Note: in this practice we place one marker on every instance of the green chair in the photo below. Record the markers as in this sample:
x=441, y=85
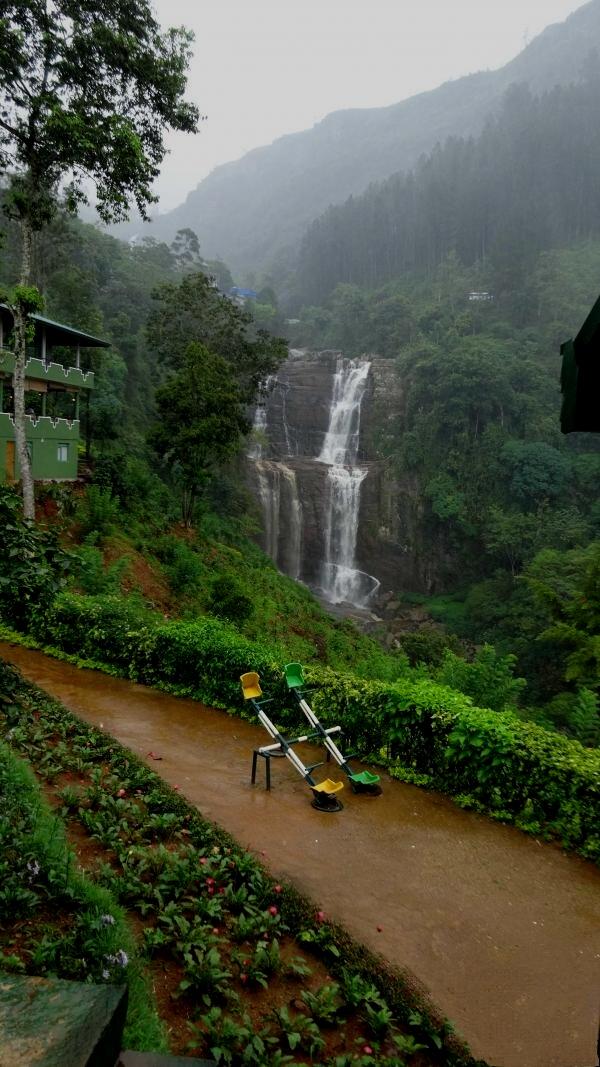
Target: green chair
x=294, y=675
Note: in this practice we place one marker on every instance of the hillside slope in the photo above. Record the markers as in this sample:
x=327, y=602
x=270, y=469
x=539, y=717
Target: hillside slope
x=248, y=211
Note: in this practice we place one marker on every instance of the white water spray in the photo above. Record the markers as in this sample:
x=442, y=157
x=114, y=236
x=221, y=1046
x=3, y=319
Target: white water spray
x=341, y=581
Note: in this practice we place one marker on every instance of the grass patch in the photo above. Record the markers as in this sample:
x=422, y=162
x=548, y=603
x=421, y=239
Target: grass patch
x=53, y=919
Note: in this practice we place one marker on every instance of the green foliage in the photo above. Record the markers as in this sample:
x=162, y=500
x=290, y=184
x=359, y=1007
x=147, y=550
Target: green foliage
x=91, y=575
x=98, y=512
x=194, y=312
x=568, y=586
x=40, y=881
x=427, y=645
x=183, y=566
x=585, y=718
x=33, y=567
x=201, y=419
x=88, y=93
x=227, y=601
x=106, y=626
x=488, y=679
x=539, y=472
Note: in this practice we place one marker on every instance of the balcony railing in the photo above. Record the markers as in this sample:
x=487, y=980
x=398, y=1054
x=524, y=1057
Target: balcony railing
x=37, y=370
x=42, y=427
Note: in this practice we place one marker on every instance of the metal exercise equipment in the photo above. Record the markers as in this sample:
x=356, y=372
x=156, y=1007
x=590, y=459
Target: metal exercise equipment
x=324, y=793
x=363, y=782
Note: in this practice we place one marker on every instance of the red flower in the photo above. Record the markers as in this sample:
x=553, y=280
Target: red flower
x=273, y=910
x=320, y=916
x=277, y=888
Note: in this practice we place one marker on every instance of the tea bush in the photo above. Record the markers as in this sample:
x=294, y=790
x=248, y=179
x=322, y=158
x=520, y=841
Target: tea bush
x=494, y=761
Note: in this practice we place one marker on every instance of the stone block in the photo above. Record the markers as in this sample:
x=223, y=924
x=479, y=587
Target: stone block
x=48, y=1022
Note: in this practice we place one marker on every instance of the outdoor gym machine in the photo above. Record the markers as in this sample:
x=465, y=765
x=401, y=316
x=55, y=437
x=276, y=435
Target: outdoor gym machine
x=324, y=793
x=364, y=782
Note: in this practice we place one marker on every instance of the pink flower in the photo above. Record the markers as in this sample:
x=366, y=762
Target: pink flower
x=203, y=860
x=368, y=1051
x=277, y=888
x=320, y=916
x=273, y=910
x=121, y=792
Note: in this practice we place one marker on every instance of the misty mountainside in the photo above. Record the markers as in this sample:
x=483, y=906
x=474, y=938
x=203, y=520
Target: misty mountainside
x=254, y=211
x=528, y=182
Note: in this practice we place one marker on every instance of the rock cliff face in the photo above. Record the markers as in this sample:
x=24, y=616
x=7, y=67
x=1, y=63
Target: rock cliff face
x=293, y=486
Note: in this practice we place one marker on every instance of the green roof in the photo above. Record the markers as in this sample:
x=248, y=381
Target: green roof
x=59, y=334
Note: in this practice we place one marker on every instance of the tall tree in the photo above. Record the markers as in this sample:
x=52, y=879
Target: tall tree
x=201, y=420
x=87, y=91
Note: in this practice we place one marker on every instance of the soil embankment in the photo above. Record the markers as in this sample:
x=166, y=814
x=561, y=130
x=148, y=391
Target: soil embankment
x=503, y=930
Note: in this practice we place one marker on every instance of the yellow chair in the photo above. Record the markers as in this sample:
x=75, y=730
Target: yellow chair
x=251, y=685
x=328, y=786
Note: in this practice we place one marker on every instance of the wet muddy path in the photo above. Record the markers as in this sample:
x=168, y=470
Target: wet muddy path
x=502, y=930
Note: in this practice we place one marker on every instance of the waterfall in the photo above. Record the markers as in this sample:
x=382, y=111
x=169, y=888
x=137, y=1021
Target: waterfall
x=269, y=493
x=341, y=581
x=259, y=423
x=291, y=552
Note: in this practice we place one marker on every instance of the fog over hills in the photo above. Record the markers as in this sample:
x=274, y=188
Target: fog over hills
x=254, y=211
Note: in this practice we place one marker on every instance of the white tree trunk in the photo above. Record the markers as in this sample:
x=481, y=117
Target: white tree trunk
x=20, y=317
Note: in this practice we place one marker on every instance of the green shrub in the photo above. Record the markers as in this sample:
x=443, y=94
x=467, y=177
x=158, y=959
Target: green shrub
x=33, y=567
x=183, y=567
x=228, y=601
x=489, y=679
x=112, y=628
x=513, y=769
x=98, y=511
x=92, y=576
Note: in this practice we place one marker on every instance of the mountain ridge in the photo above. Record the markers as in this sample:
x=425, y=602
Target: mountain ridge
x=254, y=210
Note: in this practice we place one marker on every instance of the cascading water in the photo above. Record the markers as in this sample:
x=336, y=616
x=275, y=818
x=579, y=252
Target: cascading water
x=278, y=493
x=341, y=581
x=259, y=424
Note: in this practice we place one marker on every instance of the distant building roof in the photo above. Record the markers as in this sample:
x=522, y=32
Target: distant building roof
x=247, y=294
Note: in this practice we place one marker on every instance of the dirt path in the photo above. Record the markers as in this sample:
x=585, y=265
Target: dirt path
x=502, y=930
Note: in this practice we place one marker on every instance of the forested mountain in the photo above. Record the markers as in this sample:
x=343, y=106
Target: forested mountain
x=253, y=212
x=529, y=181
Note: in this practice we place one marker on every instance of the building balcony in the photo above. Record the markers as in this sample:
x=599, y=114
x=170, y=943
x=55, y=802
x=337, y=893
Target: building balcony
x=37, y=370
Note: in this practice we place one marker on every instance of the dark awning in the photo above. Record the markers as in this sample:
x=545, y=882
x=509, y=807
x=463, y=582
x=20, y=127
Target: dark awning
x=580, y=378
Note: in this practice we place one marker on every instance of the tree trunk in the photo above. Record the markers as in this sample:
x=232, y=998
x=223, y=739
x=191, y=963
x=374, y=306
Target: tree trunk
x=20, y=316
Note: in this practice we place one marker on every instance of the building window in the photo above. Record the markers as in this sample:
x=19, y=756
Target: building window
x=62, y=454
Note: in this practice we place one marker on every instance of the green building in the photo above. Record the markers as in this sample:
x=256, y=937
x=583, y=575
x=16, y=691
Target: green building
x=54, y=382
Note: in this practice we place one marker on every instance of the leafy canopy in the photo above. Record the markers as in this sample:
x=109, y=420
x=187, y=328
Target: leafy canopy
x=87, y=90
x=196, y=311
x=201, y=420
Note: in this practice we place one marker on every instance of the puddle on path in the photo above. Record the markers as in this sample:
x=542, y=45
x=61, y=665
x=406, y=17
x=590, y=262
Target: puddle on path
x=502, y=930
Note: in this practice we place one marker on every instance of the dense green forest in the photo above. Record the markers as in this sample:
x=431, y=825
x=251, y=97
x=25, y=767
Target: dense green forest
x=526, y=183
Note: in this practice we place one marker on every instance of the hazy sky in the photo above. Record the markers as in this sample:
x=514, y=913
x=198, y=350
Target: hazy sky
x=263, y=68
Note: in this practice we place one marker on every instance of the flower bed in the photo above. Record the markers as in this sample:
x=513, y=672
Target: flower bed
x=245, y=970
